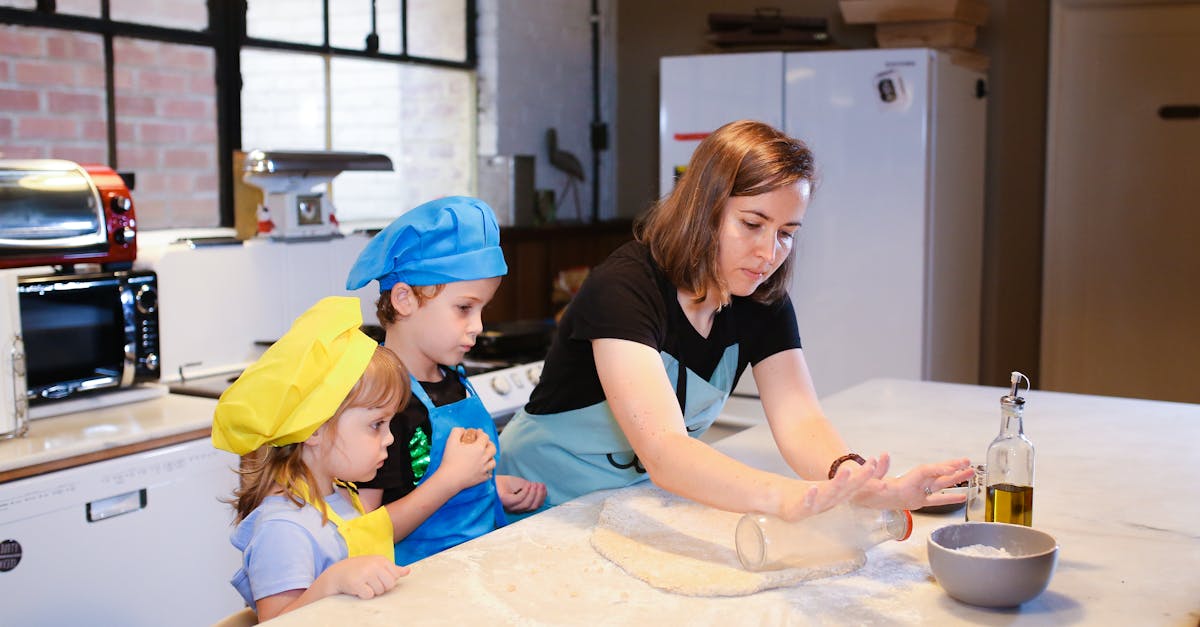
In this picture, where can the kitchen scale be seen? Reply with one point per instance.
(295, 185)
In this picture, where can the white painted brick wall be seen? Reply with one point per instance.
(535, 73)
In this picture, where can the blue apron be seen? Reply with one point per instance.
(470, 513)
(583, 450)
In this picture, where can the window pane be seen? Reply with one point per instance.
(88, 8)
(167, 131)
(437, 29)
(350, 22)
(299, 21)
(52, 98)
(283, 101)
(189, 14)
(421, 117)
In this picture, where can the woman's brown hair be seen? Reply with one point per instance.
(742, 158)
(263, 472)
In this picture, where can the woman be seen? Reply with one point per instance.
(650, 348)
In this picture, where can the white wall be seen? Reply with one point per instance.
(535, 73)
(216, 301)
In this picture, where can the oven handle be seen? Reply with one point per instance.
(20, 399)
(128, 306)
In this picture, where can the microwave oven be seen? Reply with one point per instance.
(59, 213)
(75, 334)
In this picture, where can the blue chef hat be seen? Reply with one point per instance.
(442, 241)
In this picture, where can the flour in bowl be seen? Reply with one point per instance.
(983, 550)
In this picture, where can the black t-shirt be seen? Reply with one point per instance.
(628, 297)
(397, 477)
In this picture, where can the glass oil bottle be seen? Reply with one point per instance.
(1010, 463)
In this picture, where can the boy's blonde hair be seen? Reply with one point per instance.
(384, 383)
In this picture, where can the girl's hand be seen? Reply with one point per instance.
(465, 464)
(365, 576)
(919, 487)
(519, 495)
(823, 495)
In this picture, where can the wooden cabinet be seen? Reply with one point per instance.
(536, 255)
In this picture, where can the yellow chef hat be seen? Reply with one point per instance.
(298, 383)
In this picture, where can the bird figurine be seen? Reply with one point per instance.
(568, 164)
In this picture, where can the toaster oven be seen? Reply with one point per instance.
(59, 213)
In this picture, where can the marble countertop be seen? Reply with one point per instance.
(1112, 487)
(87, 436)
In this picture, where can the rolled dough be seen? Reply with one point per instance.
(684, 547)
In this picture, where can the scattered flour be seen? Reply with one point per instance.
(983, 550)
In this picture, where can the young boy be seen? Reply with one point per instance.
(437, 266)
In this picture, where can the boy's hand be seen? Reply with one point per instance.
(465, 464)
(519, 495)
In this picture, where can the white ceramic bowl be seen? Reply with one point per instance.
(986, 580)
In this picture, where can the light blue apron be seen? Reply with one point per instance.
(583, 450)
(473, 511)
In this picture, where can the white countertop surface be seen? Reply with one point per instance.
(86, 432)
(1114, 486)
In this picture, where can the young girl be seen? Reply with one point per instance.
(309, 416)
(437, 266)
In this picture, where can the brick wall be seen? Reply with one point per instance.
(52, 98)
(167, 131)
(53, 105)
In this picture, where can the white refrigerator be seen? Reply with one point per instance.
(889, 261)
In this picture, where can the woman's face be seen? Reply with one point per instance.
(757, 233)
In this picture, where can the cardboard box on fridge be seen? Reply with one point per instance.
(878, 11)
(942, 34)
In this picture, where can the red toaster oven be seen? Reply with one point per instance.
(55, 212)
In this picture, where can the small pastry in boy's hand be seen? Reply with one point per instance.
(468, 436)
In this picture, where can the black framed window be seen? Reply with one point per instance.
(169, 89)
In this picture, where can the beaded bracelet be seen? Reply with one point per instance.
(833, 468)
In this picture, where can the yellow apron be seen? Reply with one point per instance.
(368, 534)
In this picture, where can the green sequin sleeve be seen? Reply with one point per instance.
(418, 450)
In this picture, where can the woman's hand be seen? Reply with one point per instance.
(469, 458)
(917, 488)
(519, 495)
(849, 481)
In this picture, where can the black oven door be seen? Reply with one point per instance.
(78, 334)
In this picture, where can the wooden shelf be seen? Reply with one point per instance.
(535, 255)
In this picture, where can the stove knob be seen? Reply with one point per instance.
(151, 362)
(501, 385)
(534, 373)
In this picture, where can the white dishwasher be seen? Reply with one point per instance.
(140, 539)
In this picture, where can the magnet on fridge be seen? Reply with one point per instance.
(891, 90)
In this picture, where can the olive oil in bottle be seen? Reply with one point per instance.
(1010, 464)
(1010, 504)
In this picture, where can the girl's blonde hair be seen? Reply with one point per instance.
(743, 158)
(383, 384)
